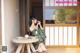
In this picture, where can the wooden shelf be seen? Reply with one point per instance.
(59, 7)
(61, 25)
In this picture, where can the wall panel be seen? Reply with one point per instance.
(61, 36)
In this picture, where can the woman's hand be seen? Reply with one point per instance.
(39, 23)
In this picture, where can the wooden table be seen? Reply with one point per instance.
(28, 41)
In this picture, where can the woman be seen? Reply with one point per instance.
(38, 31)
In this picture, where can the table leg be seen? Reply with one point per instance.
(32, 47)
(28, 48)
(23, 47)
(19, 48)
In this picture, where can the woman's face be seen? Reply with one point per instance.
(35, 20)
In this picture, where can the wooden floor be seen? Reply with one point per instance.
(63, 50)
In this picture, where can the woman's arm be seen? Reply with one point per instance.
(41, 27)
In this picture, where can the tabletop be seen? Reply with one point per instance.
(30, 39)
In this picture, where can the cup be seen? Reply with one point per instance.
(26, 35)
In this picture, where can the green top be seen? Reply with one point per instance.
(40, 34)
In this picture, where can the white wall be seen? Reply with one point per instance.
(11, 22)
(61, 36)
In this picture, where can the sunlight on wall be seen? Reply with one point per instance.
(3, 30)
(2, 14)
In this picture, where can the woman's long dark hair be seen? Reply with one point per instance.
(30, 22)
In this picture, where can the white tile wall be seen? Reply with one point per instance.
(74, 35)
(65, 4)
(61, 4)
(51, 2)
(70, 35)
(65, 35)
(75, 4)
(61, 36)
(71, 2)
(46, 2)
(56, 35)
(51, 35)
(47, 35)
(54, 3)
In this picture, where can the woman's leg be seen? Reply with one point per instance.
(42, 47)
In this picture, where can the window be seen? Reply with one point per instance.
(61, 15)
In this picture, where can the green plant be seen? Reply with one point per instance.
(64, 15)
(61, 15)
